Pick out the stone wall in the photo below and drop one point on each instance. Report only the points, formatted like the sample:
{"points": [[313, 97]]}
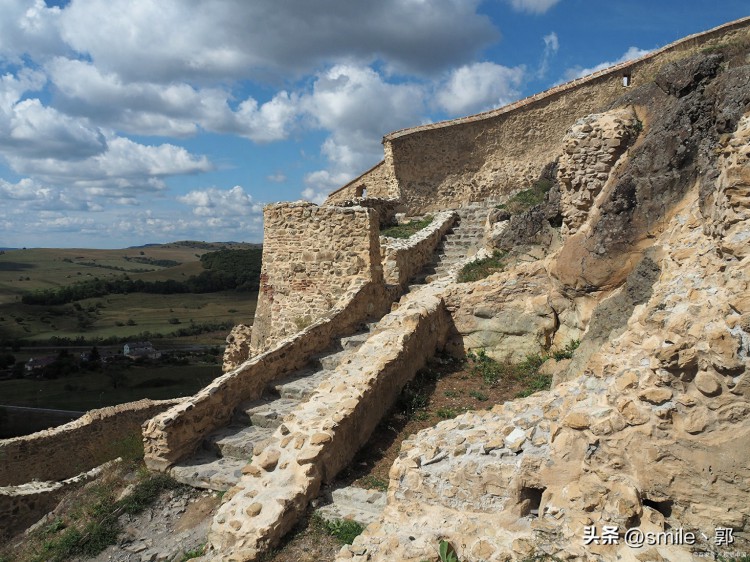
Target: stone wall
{"points": [[311, 257], [590, 150], [65, 451], [378, 181], [402, 259], [22, 506], [177, 432], [448, 164], [321, 436]]}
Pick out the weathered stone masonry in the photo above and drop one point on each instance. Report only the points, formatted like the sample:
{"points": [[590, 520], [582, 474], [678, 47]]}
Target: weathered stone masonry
{"points": [[311, 256]]}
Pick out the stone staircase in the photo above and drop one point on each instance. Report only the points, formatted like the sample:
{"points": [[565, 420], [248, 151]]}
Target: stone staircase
{"points": [[218, 463], [463, 241]]}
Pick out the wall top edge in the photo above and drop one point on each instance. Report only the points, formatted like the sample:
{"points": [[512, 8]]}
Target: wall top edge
{"points": [[571, 85]]}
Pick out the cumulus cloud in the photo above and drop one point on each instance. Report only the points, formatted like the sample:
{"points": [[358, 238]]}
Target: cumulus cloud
{"points": [[125, 165], [29, 28], [533, 6], [358, 106], [265, 37], [479, 86], [630, 54], [215, 202]]}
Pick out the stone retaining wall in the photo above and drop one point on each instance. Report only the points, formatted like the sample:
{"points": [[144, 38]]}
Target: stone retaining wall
{"points": [[402, 259], [67, 450], [320, 438], [311, 256], [177, 432]]}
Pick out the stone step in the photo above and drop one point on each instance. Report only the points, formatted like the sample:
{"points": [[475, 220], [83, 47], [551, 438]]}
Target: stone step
{"points": [[205, 470], [355, 341], [299, 387], [267, 412], [237, 441], [329, 361], [357, 504]]}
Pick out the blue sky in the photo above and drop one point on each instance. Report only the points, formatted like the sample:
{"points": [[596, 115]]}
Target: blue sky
{"points": [[124, 122]]}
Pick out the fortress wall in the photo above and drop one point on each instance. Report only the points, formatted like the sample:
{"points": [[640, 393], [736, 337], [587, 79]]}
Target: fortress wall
{"points": [[378, 181], [402, 259], [311, 256], [321, 436], [177, 432], [488, 155], [67, 450]]}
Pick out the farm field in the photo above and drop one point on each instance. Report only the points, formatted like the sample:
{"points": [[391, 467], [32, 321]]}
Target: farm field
{"points": [[95, 389], [192, 317]]}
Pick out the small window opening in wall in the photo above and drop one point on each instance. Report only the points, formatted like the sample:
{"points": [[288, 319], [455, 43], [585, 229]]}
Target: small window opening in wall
{"points": [[626, 80], [360, 191], [531, 500]]}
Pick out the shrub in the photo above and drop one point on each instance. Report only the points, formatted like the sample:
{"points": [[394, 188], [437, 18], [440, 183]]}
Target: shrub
{"points": [[528, 198], [567, 351]]}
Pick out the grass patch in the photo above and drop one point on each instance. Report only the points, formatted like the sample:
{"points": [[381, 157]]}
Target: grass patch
{"points": [[195, 553], [480, 269], [374, 483], [525, 372], [94, 523], [407, 229], [345, 530], [528, 198], [479, 395], [447, 413]]}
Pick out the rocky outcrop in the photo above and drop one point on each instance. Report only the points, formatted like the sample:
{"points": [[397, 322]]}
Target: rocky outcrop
{"points": [[648, 427], [652, 435]]}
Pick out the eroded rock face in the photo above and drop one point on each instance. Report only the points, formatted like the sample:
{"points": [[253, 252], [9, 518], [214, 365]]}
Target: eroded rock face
{"points": [[653, 435], [237, 350], [650, 428]]}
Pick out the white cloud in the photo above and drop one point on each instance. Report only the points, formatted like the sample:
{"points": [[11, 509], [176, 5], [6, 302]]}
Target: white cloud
{"points": [[235, 38], [551, 46], [480, 86], [29, 28], [218, 203], [630, 54], [358, 106], [278, 177], [533, 6]]}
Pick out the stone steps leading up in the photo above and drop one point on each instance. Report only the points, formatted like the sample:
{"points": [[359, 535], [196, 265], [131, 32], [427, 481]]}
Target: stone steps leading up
{"points": [[350, 502], [218, 463]]}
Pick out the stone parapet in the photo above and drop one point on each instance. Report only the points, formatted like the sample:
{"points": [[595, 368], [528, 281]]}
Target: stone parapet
{"points": [[402, 259], [321, 436], [177, 432], [67, 450]]}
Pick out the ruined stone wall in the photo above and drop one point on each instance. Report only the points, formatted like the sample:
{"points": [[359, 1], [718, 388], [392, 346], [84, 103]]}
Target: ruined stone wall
{"points": [[311, 257], [402, 259], [22, 506], [448, 164], [378, 181], [173, 435], [65, 451], [321, 436]]}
